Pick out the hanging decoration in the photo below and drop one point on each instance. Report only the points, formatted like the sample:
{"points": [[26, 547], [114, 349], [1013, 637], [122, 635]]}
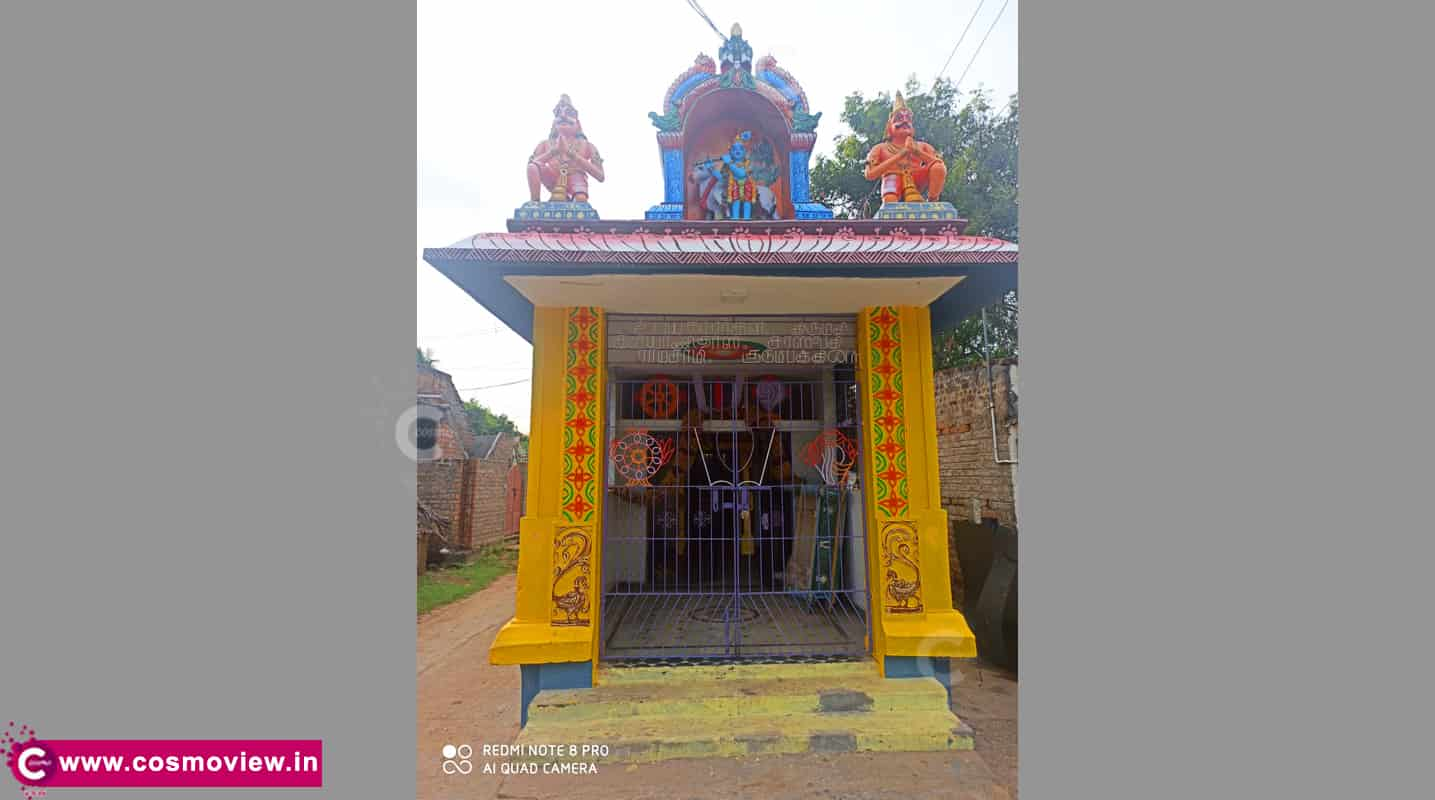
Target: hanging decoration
{"points": [[833, 454], [769, 393], [639, 455], [659, 398]]}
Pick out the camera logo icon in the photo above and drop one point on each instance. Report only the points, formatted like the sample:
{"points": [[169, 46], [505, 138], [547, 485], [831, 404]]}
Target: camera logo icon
{"points": [[456, 760]]}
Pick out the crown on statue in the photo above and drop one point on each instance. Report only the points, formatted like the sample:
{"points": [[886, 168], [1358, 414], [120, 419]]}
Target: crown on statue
{"points": [[898, 104], [562, 111]]}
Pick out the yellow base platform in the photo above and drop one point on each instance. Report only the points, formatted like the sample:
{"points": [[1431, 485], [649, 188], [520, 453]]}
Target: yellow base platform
{"points": [[656, 713]]}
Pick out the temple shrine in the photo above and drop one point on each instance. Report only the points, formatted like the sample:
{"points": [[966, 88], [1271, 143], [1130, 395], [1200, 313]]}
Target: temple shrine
{"points": [[732, 453]]}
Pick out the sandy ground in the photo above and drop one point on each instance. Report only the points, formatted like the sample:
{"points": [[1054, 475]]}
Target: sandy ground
{"points": [[985, 697], [462, 699]]}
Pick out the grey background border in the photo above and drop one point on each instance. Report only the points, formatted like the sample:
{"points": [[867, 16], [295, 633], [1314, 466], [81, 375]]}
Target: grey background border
{"points": [[1223, 436], [207, 316], [208, 322]]}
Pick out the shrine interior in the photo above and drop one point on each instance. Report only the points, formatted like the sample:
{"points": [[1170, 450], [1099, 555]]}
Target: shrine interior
{"points": [[733, 514]]}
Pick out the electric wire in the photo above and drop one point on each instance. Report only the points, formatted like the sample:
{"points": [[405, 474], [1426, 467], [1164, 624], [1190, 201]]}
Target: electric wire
{"points": [[693, 4], [950, 56], [993, 26], [493, 385]]}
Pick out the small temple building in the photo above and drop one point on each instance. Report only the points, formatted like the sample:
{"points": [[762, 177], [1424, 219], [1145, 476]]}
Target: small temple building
{"points": [[733, 448]]}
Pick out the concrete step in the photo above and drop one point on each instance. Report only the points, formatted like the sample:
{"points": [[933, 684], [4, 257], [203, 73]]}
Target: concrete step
{"points": [[656, 713], [657, 739], [718, 692]]}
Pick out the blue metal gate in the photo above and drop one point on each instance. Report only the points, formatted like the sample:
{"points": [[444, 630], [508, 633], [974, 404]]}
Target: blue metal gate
{"points": [[733, 522]]}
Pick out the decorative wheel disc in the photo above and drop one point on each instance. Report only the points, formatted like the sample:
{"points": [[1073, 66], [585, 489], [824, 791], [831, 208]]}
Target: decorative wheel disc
{"points": [[638, 456]]}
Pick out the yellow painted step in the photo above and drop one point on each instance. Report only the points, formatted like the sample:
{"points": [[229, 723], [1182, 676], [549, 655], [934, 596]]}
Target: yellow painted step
{"points": [[712, 697], [656, 738]]}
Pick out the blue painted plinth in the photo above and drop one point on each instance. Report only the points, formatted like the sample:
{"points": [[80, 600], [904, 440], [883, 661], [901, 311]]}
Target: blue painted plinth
{"points": [[811, 211], [665, 211], [920, 667], [561, 675]]}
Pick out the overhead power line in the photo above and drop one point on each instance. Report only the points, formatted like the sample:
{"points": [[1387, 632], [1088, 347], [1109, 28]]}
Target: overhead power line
{"points": [[995, 19], [693, 4], [493, 386], [450, 368], [943, 71]]}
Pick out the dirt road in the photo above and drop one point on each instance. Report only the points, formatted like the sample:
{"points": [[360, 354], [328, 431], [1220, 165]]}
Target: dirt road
{"points": [[462, 699]]}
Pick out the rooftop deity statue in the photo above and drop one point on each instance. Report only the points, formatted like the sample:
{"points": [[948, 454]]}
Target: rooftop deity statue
{"points": [[741, 188], [765, 173], [908, 168], [736, 58], [564, 161]]}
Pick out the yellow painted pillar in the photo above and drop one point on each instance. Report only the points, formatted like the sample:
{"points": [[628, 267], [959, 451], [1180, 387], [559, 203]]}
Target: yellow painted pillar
{"points": [[907, 526], [558, 547]]}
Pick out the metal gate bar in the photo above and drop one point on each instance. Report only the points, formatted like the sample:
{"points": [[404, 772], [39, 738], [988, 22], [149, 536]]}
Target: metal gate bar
{"points": [[733, 526]]}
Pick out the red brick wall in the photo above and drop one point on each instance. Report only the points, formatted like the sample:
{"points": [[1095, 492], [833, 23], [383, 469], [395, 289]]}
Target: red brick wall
{"points": [[974, 487], [471, 495], [490, 492], [964, 443], [441, 489], [447, 444]]}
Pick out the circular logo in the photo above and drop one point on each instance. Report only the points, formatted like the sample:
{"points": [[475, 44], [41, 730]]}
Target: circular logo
{"points": [[33, 763]]}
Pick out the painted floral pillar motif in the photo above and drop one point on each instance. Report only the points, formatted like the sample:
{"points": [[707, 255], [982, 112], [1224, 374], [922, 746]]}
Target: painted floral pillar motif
{"points": [[558, 559], [896, 533], [909, 544], [573, 583]]}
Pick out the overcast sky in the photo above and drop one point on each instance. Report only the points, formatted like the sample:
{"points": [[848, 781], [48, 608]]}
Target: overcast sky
{"points": [[490, 73]]}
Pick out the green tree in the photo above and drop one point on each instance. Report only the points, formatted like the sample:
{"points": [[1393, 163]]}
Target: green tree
{"points": [[483, 421], [978, 142], [426, 358], [963, 345]]}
